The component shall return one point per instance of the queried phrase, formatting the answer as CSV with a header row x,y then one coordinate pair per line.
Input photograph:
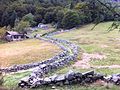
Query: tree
x,y
41,11
29,18
13,18
5,18
21,26
59,17
70,19
1,78
38,18
49,17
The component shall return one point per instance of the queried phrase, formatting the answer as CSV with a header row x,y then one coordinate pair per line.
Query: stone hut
x,y
43,26
14,36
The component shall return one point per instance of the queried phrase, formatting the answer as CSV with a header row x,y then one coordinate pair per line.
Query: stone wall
x,y
59,57
70,54
64,79
70,78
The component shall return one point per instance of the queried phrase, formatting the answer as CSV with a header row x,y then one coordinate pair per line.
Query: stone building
x,y
14,36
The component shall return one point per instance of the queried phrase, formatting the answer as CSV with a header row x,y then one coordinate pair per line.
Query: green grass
x,y
2,41
11,81
81,87
92,42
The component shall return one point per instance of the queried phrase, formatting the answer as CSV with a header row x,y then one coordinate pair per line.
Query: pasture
x,y
97,41
27,51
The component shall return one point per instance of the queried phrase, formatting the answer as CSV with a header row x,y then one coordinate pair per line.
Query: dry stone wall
x,y
60,56
70,78
37,78
70,54
64,79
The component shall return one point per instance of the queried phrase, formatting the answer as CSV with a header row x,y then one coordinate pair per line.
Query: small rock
x,y
53,87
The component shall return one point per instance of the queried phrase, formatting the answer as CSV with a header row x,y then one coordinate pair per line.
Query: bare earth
x,y
84,63
27,51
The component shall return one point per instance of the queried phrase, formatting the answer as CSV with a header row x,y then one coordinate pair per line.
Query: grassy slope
x,y
93,42
11,81
27,51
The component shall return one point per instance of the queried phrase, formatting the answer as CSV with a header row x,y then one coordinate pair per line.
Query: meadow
x,y
94,41
27,51
98,40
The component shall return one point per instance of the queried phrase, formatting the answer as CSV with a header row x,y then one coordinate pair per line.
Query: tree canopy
x,y
63,13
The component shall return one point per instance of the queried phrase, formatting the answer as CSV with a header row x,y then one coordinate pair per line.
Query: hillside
x,y
41,39
96,43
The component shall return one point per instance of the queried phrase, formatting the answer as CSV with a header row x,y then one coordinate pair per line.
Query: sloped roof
x,y
13,33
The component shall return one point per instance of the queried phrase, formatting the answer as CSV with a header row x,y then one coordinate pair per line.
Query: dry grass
x,y
97,41
2,32
26,52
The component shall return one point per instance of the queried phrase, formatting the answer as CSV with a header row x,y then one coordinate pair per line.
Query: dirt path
x,y
86,58
110,67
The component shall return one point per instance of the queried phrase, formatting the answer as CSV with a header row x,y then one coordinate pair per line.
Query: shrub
x,y
70,19
21,26
29,18
49,17
2,32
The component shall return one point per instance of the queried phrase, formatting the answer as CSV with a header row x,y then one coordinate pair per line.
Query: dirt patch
x,y
110,67
86,58
84,63
104,46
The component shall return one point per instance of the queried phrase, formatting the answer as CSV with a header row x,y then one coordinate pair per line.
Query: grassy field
x,y
11,81
26,51
97,41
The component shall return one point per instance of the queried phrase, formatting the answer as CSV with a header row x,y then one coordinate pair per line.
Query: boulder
x,y
70,75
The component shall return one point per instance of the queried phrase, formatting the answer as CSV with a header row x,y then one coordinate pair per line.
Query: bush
x,y
29,18
38,19
2,32
21,26
1,78
70,19
59,17
49,17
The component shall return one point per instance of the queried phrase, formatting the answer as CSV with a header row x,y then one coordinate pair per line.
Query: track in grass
x,y
97,41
